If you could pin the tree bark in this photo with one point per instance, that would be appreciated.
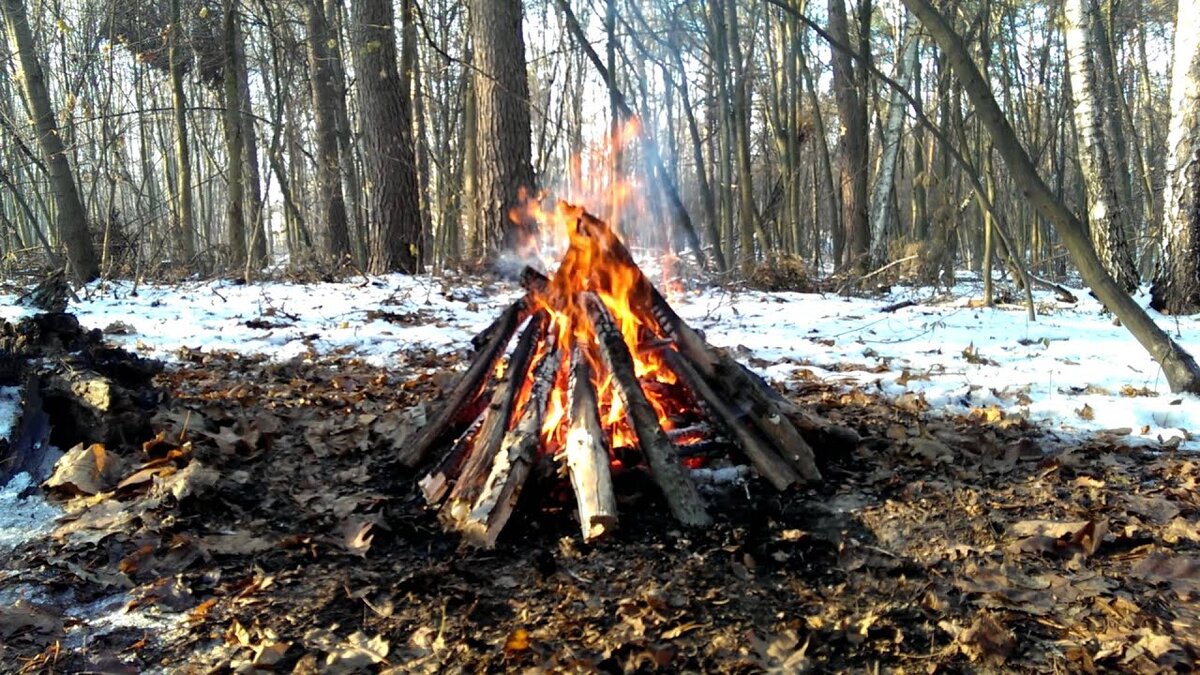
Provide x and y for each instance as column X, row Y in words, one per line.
column 1178, row 366
column 71, row 217
column 852, row 146
column 185, row 225
column 235, row 215
column 387, row 145
column 1107, row 212
column 1177, row 288
column 324, row 98
column 502, row 140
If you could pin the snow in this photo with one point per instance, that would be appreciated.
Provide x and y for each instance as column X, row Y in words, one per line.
column 1048, row 370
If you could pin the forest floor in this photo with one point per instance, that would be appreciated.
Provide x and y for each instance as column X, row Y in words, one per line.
column 976, row 528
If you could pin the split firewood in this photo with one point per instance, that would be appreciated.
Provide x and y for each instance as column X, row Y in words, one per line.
column 766, row 461
column 470, row 386
column 513, row 462
column 586, row 453
column 437, row 482
column 668, row 473
column 485, row 446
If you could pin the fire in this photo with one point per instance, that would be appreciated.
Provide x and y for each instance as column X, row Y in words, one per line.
column 596, row 261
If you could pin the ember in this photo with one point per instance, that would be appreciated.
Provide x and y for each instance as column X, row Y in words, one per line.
column 603, row 364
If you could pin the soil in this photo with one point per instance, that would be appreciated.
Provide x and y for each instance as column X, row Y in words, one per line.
column 266, row 515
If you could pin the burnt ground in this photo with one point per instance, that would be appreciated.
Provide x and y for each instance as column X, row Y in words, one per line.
column 267, row 514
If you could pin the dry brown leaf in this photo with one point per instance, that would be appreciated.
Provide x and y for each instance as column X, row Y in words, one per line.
column 1183, row 574
column 986, row 639
column 357, row 535
column 517, row 641
column 1181, row 529
column 237, row 543
column 24, row 617
column 1084, row 540
column 85, row 471
column 1157, row 510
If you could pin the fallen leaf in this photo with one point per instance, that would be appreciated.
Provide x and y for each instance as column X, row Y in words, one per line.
column 517, row 641
column 237, row 543
column 986, row 639
column 357, row 535
column 25, row 617
column 1157, row 510
column 85, row 471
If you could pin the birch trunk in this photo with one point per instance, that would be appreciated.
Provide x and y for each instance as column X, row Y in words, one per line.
column 1177, row 289
column 1107, row 214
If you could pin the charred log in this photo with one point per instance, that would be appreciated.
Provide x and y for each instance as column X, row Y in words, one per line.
column 485, row 446
column 668, row 473
column 470, row 386
column 766, row 461
column 513, row 463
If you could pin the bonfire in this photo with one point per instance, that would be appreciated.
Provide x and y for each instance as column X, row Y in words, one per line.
column 604, row 375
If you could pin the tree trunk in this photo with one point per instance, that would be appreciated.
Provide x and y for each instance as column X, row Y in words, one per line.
column 253, row 175
column 502, row 140
column 1107, row 214
column 71, row 217
column 324, row 98
column 881, row 196
column 1177, row 288
column 184, row 223
column 1178, row 366
column 853, row 154
column 235, row 214
column 387, row 146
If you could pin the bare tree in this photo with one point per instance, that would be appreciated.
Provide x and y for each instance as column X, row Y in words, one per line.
column 387, row 144
column 71, row 217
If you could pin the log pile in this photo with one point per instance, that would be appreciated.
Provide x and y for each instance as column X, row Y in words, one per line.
column 603, row 369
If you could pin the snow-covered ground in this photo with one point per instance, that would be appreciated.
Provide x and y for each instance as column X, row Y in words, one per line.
column 1071, row 369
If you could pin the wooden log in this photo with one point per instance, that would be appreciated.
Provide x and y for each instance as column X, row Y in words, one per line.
column 672, row 479
column 485, row 446
column 512, row 464
column 586, row 453
column 732, row 382
column 691, row 434
column 437, row 482
column 414, row 448
column 483, row 337
column 766, row 461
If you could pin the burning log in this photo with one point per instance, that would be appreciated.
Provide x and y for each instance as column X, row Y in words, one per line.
column 438, row 481
column 734, row 383
column 414, row 449
column 635, row 371
column 512, row 464
column 487, row 443
column 668, row 473
column 587, row 454
column 766, row 461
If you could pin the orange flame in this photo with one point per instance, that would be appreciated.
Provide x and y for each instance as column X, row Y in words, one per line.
column 595, row 259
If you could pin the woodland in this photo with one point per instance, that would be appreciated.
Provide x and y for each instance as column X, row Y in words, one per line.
column 540, row 442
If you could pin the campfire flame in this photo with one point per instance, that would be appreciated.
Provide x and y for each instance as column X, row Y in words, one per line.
column 596, row 261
